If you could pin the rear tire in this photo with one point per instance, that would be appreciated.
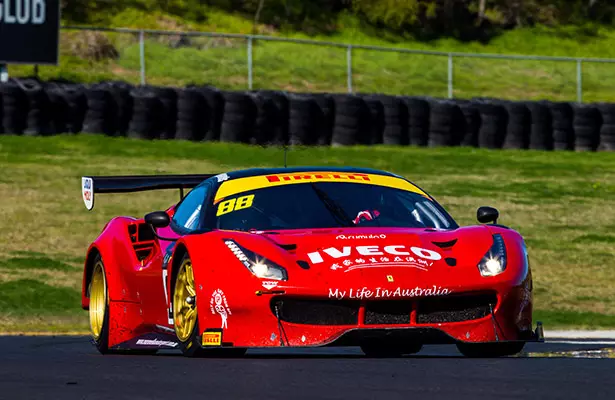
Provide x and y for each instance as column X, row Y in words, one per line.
column 185, row 316
column 490, row 350
column 99, row 307
column 380, row 349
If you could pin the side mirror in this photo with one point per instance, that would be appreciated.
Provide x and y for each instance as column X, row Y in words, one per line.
column 158, row 219
column 487, row 214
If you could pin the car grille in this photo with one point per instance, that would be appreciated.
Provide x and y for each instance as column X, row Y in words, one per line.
column 388, row 312
column 316, row 312
column 455, row 308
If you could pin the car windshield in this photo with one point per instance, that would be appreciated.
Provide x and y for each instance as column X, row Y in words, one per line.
column 313, row 205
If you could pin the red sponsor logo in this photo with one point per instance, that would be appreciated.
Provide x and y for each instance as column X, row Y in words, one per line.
column 316, row 176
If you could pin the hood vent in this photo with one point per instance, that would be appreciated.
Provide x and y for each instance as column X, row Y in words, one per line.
column 288, row 247
column 444, row 245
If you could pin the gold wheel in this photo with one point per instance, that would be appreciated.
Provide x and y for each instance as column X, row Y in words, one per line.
column 98, row 300
column 184, row 301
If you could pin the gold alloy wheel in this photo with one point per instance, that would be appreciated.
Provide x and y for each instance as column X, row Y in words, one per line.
column 184, row 302
column 98, row 300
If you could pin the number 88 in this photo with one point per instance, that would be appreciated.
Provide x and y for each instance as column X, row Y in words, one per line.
column 235, row 204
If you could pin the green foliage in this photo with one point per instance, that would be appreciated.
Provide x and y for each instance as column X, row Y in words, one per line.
column 427, row 19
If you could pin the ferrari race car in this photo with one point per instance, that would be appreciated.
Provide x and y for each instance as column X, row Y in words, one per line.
column 299, row 257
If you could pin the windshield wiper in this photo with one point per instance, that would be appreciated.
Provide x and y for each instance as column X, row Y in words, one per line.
column 338, row 212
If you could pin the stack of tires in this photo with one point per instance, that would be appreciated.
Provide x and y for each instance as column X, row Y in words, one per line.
column 352, row 121
column 494, row 123
column 193, row 115
column 147, row 121
column 239, row 117
column 607, row 129
column 418, row 120
column 587, row 122
column 102, row 111
column 14, row 108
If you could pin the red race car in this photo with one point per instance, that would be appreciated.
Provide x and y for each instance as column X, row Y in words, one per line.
column 299, row 257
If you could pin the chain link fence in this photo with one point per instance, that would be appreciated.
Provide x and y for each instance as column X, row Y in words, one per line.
column 233, row 61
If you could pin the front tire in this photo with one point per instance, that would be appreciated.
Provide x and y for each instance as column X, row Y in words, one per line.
column 186, row 317
column 490, row 350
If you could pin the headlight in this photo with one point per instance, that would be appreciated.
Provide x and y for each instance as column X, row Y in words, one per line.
column 258, row 265
column 494, row 262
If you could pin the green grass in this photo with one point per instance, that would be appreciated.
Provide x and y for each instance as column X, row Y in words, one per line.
column 562, row 202
column 223, row 62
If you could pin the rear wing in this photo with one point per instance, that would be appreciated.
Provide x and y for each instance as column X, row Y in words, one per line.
column 90, row 185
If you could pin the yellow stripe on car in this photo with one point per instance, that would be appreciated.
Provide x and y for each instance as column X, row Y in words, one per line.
column 241, row 185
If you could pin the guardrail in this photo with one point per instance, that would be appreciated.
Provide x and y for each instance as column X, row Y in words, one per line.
column 250, row 39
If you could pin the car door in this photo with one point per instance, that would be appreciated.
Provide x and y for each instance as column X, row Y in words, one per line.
column 153, row 277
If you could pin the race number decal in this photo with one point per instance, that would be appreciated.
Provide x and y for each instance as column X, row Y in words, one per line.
column 238, row 203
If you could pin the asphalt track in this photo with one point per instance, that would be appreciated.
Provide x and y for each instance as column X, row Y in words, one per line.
column 70, row 368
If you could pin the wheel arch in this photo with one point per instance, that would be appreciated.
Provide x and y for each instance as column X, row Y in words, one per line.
column 178, row 255
column 92, row 255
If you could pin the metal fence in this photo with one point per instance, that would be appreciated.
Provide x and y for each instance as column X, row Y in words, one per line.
column 439, row 61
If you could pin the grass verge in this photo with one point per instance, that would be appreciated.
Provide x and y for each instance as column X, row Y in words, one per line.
column 563, row 203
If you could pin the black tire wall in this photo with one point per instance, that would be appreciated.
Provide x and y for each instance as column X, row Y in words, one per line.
column 29, row 106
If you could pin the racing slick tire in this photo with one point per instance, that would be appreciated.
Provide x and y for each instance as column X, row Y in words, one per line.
column 185, row 316
column 99, row 307
column 490, row 350
column 381, row 349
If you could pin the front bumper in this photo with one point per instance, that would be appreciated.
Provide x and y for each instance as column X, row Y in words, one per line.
column 500, row 315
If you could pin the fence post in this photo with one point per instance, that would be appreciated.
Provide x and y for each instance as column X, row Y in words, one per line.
column 142, row 55
column 450, row 75
column 250, row 66
column 579, row 81
column 349, row 67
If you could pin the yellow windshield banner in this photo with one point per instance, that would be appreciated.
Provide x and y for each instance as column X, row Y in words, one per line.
column 241, row 185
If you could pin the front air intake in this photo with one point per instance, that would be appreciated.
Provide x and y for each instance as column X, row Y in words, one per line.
column 316, row 312
column 454, row 308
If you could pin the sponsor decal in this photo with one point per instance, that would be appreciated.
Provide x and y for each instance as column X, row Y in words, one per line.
column 378, row 293
column 390, row 278
column 354, row 237
column 241, row 185
column 212, row 338
column 156, row 342
column 376, row 256
column 269, row 284
column 222, row 177
column 87, row 190
column 311, row 177
column 219, row 305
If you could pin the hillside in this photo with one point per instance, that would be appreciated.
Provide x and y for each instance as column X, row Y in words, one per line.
column 173, row 60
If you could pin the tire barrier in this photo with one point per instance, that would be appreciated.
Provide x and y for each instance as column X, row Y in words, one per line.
column 587, row 122
column 418, row 121
column 352, row 120
column 239, row 118
column 147, row 120
column 31, row 107
column 519, row 126
column 193, row 115
column 494, row 122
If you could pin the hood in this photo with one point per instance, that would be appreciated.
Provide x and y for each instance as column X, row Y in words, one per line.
column 355, row 249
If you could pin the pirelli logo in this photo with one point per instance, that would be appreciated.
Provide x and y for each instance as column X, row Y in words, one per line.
column 212, row 338
column 310, row 177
